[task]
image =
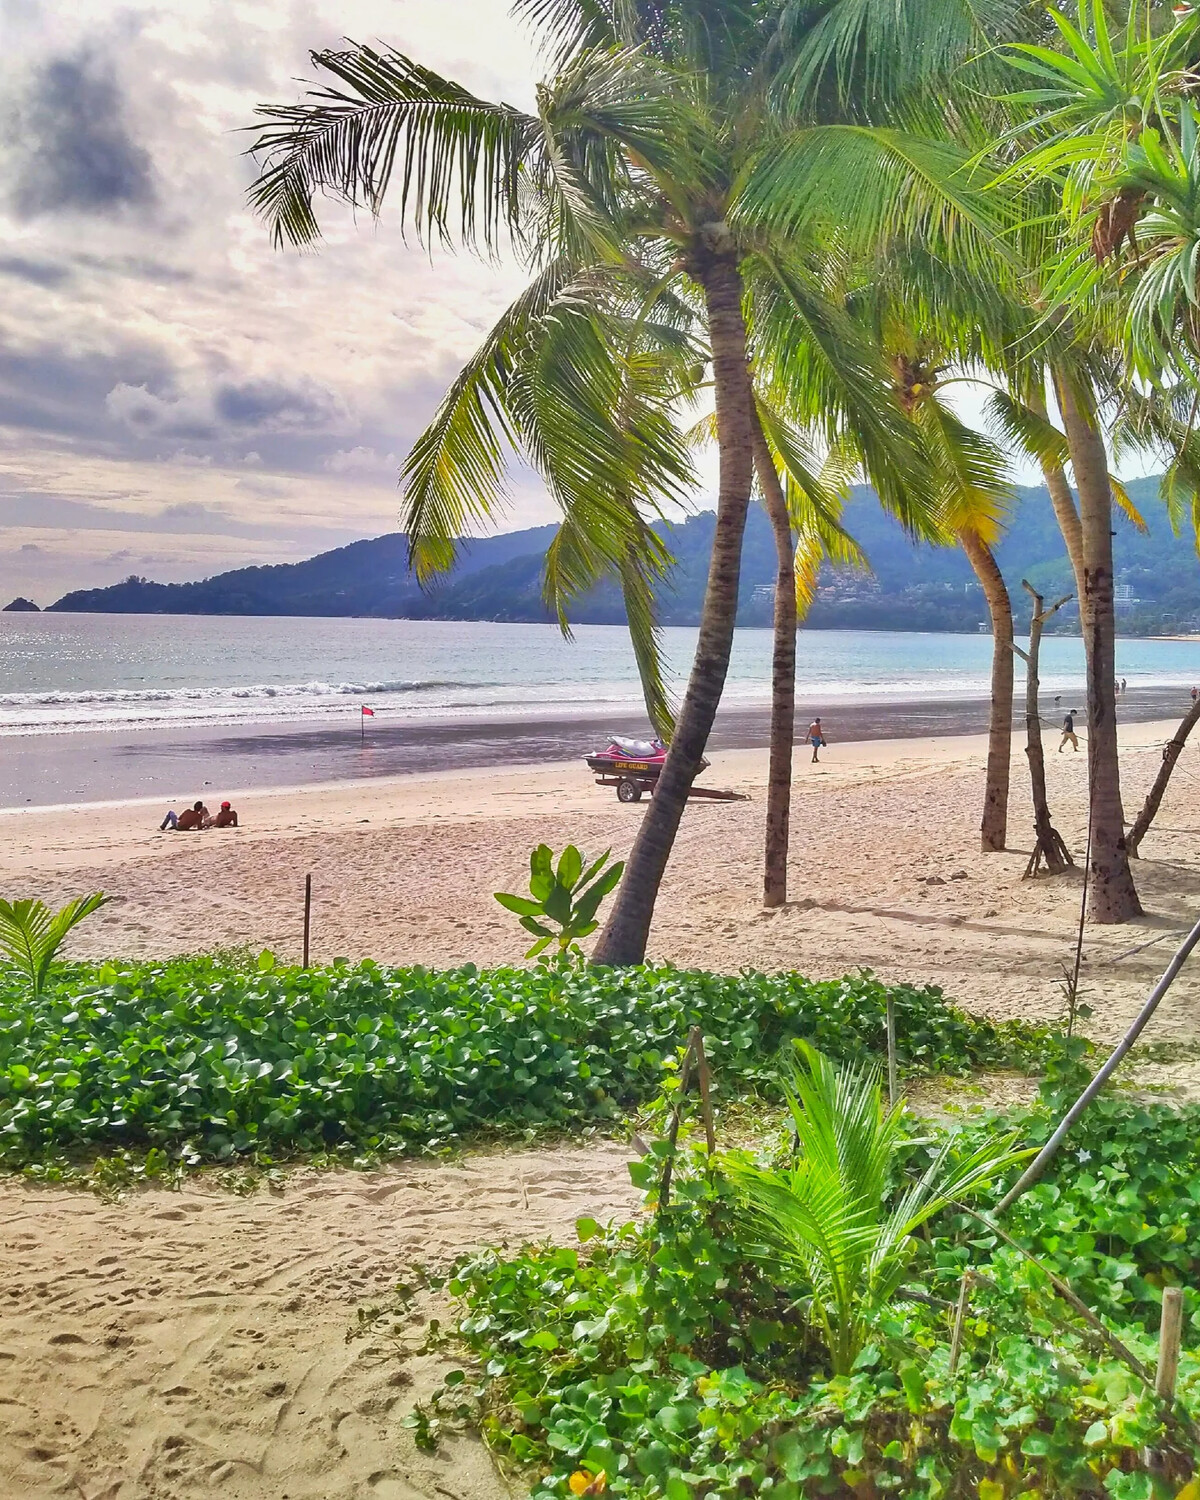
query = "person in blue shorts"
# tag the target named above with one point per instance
(815, 738)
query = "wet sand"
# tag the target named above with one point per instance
(180, 764)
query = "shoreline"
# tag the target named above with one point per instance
(172, 765)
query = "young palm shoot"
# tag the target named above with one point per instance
(832, 1219)
(31, 935)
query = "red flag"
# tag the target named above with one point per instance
(368, 712)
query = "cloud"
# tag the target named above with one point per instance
(148, 317)
(40, 272)
(361, 460)
(75, 150)
(272, 406)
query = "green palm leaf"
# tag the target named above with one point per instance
(31, 935)
(829, 1218)
(461, 157)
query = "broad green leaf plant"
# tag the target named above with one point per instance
(832, 1218)
(31, 935)
(567, 896)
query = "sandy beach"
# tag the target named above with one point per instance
(193, 1344)
(886, 871)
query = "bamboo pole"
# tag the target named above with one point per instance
(307, 914)
(702, 1076)
(1170, 1338)
(893, 1083)
(960, 1318)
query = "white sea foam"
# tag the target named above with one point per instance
(65, 673)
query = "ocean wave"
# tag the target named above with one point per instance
(265, 691)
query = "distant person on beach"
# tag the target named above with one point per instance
(190, 819)
(1122, 686)
(815, 738)
(1069, 734)
(226, 818)
(1195, 694)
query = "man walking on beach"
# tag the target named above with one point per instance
(815, 738)
(1069, 734)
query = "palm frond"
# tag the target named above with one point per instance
(874, 53)
(830, 1218)
(459, 157)
(455, 473)
(875, 186)
(1026, 430)
(31, 934)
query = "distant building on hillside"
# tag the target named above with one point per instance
(764, 594)
(1124, 598)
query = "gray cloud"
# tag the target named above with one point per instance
(40, 272)
(76, 153)
(137, 268)
(192, 518)
(271, 406)
(56, 390)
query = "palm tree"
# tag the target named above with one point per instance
(833, 1218)
(628, 177)
(975, 495)
(952, 191)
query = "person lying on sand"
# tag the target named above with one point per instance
(226, 817)
(191, 818)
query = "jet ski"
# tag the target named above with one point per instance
(632, 766)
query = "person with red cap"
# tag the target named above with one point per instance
(226, 818)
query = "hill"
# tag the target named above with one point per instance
(911, 587)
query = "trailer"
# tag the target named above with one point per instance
(634, 766)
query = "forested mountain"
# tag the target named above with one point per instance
(910, 587)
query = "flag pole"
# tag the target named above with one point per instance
(362, 726)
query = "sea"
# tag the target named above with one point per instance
(65, 673)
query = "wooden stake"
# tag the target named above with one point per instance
(697, 1045)
(685, 1076)
(1170, 1336)
(960, 1318)
(893, 1084)
(307, 914)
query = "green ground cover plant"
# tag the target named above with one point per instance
(679, 1358)
(210, 1060)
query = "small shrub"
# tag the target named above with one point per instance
(566, 895)
(209, 1061)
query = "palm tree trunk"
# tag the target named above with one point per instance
(1112, 895)
(994, 827)
(624, 938)
(1063, 502)
(1171, 753)
(783, 678)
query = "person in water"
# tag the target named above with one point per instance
(191, 818)
(1069, 734)
(226, 817)
(815, 738)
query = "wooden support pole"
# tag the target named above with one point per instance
(307, 915)
(893, 1081)
(702, 1076)
(685, 1076)
(960, 1318)
(1170, 1337)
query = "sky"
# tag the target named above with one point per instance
(176, 396)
